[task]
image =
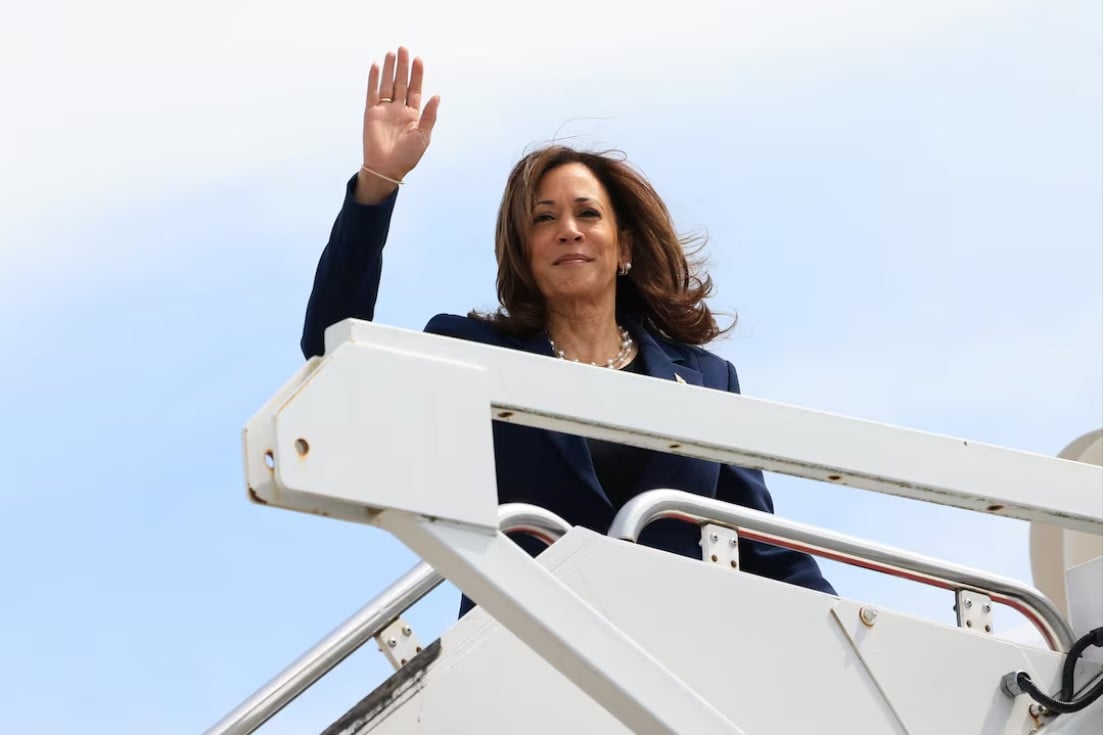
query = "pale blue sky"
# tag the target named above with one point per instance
(903, 202)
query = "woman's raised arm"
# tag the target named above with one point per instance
(395, 136)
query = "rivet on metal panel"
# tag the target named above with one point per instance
(392, 642)
(406, 630)
(868, 616)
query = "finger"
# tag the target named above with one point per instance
(373, 86)
(414, 94)
(402, 75)
(387, 83)
(429, 116)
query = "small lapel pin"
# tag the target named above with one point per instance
(678, 379)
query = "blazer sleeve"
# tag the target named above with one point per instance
(347, 279)
(748, 488)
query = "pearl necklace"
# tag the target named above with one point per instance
(614, 362)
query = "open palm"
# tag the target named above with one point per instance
(396, 130)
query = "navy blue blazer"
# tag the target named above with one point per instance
(548, 468)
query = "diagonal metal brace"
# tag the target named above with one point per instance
(559, 626)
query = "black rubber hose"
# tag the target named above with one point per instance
(1055, 705)
(1092, 638)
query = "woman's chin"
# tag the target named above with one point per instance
(579, 295)
(582, 285)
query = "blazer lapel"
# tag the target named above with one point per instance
(663, 362)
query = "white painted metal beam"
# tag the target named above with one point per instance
(372, 427)
(669, 416)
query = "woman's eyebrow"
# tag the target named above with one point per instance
(577, 199)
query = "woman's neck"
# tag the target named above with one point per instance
(586, 337)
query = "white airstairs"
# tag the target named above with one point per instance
(600, 635)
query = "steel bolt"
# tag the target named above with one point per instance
(987, 608)
(732, 542)
(713, 537)
(406, 630)
(969, 603)
(1036, 710)
(391, 642)
(868, 616)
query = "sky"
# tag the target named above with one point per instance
(902, 201)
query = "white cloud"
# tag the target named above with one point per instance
(125, 102)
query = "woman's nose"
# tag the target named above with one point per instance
(570, 231)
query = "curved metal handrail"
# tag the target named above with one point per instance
(760, 526)
(302, 673)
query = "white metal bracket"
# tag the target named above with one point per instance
(974, 611)
(398, 643)
(720, 545)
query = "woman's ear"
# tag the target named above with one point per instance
(624, 241)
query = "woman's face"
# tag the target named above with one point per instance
(572, 239)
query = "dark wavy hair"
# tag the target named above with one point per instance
(668, 285)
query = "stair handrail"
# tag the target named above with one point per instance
(757, 525)
(366, 623)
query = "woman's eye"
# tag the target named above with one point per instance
(542, 217)
(588, 213)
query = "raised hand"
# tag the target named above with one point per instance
(396, 129)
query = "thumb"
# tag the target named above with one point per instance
(429, 116)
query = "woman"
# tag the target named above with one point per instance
(589, 269)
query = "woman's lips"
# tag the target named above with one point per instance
(574, 259)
